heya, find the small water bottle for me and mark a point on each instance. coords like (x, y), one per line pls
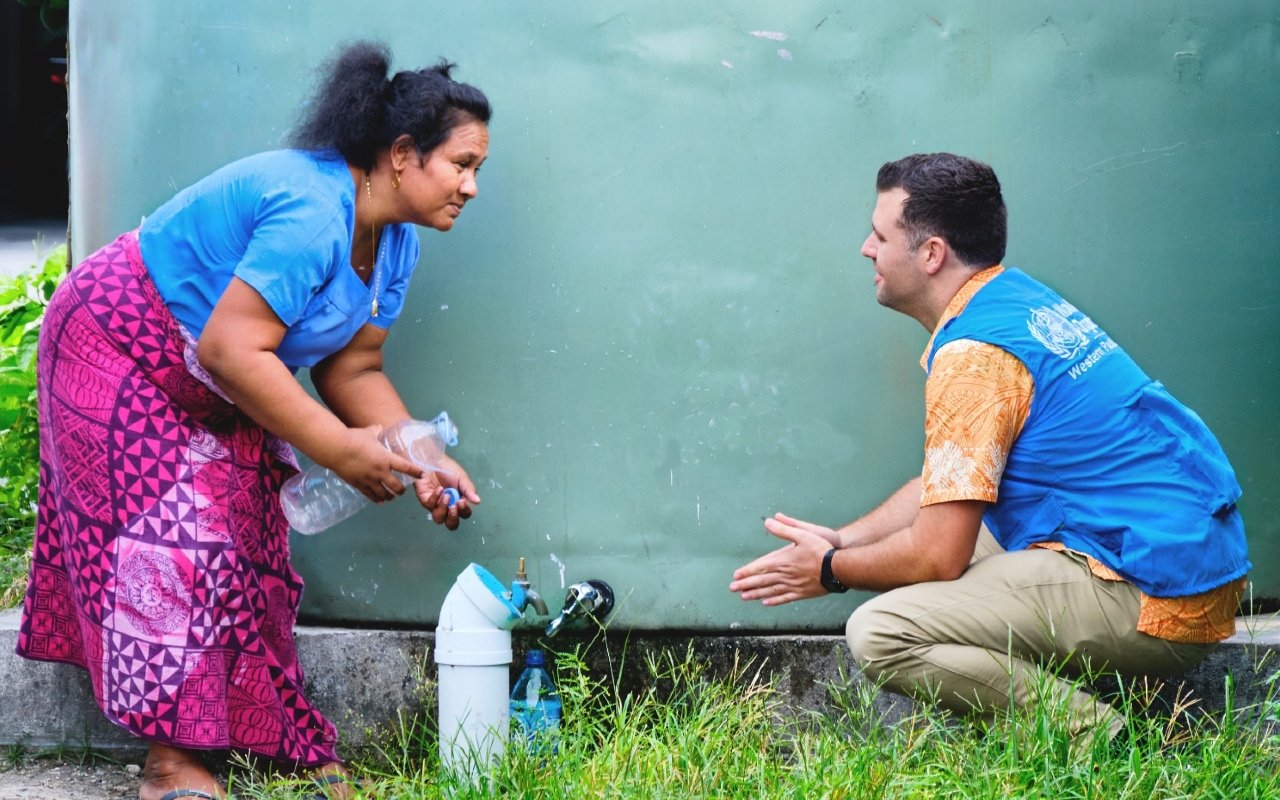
(535, 703)
(316, 498)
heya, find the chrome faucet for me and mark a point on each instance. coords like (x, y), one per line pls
(586, 598)
(530, 596)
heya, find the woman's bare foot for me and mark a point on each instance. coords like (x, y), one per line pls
(171, 768)
(334, 781)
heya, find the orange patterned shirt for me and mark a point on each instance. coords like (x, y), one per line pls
(977, 398)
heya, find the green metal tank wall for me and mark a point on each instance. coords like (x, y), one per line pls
(653, 327)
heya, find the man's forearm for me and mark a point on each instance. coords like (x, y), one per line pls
(937, 546)
(891, 516)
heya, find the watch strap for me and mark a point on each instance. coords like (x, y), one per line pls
(828, 579)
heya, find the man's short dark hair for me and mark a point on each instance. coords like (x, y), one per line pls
(953, 197)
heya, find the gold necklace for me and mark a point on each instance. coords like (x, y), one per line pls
(375, 262)
(377, 272)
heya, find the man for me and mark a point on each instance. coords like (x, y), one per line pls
(1117, 543)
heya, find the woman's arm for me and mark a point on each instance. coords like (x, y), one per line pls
(237, 348)
(353, 385)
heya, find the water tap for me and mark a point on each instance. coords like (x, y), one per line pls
(520, 588)
(585, 598)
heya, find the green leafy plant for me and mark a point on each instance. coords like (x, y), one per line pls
(23, 299)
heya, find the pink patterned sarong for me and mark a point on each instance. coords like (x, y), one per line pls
(161, 560)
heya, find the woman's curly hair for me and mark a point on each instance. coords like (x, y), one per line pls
(357, 110)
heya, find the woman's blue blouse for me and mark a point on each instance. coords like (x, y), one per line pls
(282, 222)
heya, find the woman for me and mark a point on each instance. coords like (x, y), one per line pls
(167, 395)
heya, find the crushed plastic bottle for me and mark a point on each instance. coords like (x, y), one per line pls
(317, 499)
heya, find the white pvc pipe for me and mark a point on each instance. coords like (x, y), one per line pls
(473, 651)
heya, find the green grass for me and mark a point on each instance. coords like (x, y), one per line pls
(15, 558)
(692, 735)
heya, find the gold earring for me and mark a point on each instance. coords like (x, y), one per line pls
(395, 180)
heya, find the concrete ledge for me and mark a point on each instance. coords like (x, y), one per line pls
(365, 679)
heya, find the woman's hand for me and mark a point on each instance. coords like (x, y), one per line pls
(430, 488)
(372, 468)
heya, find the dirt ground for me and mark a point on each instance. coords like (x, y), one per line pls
(52, 780)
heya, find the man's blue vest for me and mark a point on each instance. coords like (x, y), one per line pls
(1108, 463)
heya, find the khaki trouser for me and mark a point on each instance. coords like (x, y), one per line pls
(974, 643)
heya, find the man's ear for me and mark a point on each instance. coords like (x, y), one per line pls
(935, 254)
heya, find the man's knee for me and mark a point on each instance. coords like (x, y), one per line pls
(874, 633)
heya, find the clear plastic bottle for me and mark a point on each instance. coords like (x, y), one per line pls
(316, 498)
(535, 703)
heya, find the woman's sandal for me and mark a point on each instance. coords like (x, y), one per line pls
(197, 793)
(331, 779)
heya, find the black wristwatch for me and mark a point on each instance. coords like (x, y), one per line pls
(828, 579)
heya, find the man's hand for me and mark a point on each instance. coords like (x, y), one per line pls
(791, 572)
(821, 530)
(430, 490)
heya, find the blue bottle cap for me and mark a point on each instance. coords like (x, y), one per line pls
(534, 658)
